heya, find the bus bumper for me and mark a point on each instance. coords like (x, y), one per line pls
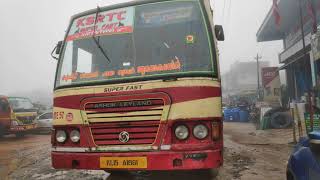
(23, 128)
(161, 160)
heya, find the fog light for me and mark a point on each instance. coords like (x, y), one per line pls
(75, 136)
(181, 132)
(61, 136)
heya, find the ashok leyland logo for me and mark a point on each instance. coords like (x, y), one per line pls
(124, 137)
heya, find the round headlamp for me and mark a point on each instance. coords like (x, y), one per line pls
(181, 132)
(61, 136)
(75, 136)
(200, 131)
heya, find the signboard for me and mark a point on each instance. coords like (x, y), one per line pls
(108, 22)
(166, 16)
(268, 75)
(271, 84)
(316, 122)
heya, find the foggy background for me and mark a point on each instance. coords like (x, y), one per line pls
(30, 29)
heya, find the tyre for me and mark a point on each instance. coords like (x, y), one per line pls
(274, 110)
(280, 120)
(290, 176)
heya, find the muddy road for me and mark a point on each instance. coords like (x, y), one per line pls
(249, 154)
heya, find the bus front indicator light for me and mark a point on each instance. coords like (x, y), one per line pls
(181, 132)
(216, 131)
(61, 136)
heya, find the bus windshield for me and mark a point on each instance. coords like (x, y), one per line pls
(151, 40)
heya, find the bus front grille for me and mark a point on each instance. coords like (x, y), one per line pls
(125, 133)
(125, 120)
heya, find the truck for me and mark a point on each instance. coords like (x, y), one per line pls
(17, 116)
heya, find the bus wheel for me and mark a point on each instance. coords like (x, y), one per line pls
(20, 134)
(290, 176)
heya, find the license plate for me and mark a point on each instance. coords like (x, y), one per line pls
(29, 127)
(123, 162)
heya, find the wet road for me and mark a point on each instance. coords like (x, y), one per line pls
(249, 154)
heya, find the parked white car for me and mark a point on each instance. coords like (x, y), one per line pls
(44, 121)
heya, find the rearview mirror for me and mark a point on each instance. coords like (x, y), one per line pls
(218, 29)
(57, 50)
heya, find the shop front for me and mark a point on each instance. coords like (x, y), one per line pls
(297, 58)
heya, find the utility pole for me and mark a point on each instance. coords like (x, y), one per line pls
(258, 75)
(302, 31)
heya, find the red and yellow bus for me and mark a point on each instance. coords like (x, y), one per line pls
(137, 88)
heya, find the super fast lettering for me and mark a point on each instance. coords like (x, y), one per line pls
(123, 88)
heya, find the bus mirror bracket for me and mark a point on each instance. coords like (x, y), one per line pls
(218, 29)
(57, 50)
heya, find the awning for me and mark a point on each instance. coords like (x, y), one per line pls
(297, 58)
(289, 12)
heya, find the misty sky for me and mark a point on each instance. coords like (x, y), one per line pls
(30, 29)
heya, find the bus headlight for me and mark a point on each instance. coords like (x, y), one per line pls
(61, 136)
(181, 132)
(75, 136)
(200, 131)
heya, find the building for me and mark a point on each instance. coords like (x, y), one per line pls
(300, 69)
(242, 77)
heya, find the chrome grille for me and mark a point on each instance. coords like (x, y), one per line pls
(114, 111)
(141, 132)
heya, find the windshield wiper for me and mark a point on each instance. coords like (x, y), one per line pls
(96, 40)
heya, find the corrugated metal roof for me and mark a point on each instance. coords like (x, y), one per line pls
(289, 12)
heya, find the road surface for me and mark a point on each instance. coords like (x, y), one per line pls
(249, 154)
